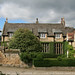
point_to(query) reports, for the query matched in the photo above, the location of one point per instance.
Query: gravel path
(38, 71)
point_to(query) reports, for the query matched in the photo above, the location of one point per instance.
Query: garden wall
(11, 59)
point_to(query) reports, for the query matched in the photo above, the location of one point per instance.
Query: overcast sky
(45, 10)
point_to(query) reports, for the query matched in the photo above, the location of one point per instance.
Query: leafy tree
(28, 57)
(29, 44)
(26, 41)
(70, 47)
(71, 51)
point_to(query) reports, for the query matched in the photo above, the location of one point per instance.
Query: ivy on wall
(52, 47)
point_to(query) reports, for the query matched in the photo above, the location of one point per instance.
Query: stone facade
(46, 32)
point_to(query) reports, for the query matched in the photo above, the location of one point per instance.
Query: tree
(26, 41)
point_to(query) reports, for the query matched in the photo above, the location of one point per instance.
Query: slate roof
(40, 27)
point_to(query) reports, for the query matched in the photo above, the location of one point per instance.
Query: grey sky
(45, 10)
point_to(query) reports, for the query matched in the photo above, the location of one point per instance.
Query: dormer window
(57, 36)
(42, 35)
(10, 35)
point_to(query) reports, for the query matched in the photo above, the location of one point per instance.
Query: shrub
(40, 56)
(28, 57)
(25, 57)
(59, 58)
(48, 55)
(49, 63)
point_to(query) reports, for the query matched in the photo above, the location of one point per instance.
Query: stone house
(51, 35)
(71, 38)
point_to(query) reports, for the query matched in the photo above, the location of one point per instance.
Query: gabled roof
(57, 31)
(37, 27)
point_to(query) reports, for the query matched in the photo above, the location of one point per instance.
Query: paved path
(23, 71)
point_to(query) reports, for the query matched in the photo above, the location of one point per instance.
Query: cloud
(45, 10)
(13, 11)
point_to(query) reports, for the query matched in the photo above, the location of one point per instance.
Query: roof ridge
(35, 23)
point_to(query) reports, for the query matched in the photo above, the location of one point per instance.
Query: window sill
(42, 37)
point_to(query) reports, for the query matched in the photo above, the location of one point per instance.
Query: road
(46, 71)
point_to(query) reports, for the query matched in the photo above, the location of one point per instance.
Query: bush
(40, 56)
(70, 47)
(26, 57)
(48, 55)
(49, 63)
(59, 58)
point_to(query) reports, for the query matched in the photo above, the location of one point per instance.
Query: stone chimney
(37, 21)
(6, 20)
(63, 21)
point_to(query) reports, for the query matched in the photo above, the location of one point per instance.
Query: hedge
(50, 63)
(48, 55)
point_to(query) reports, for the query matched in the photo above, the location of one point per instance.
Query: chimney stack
(63, 21)
(37, 21)
(6, 20)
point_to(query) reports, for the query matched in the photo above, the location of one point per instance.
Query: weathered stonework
(11, 59)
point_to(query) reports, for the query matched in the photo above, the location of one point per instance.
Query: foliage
(48, 55)
(70, 47)
(65, 47)
(28, 57)
(52, 44)
(2, 44)
(49, 63)
(25, 57)
(71, 51)
(25, 40)
(40, 56)
(59, 58)
(51, 48)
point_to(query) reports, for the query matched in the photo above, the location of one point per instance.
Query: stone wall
(11, 59)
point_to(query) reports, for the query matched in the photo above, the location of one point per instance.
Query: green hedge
(50, 63)
(48, 55)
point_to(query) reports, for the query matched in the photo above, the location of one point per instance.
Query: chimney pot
(37, 20)
(63, 21)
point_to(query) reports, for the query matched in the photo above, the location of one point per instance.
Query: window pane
(57, 35)
(42, 35)
(10, 34)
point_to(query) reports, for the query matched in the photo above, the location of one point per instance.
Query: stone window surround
(42, 35)
(57, 35)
